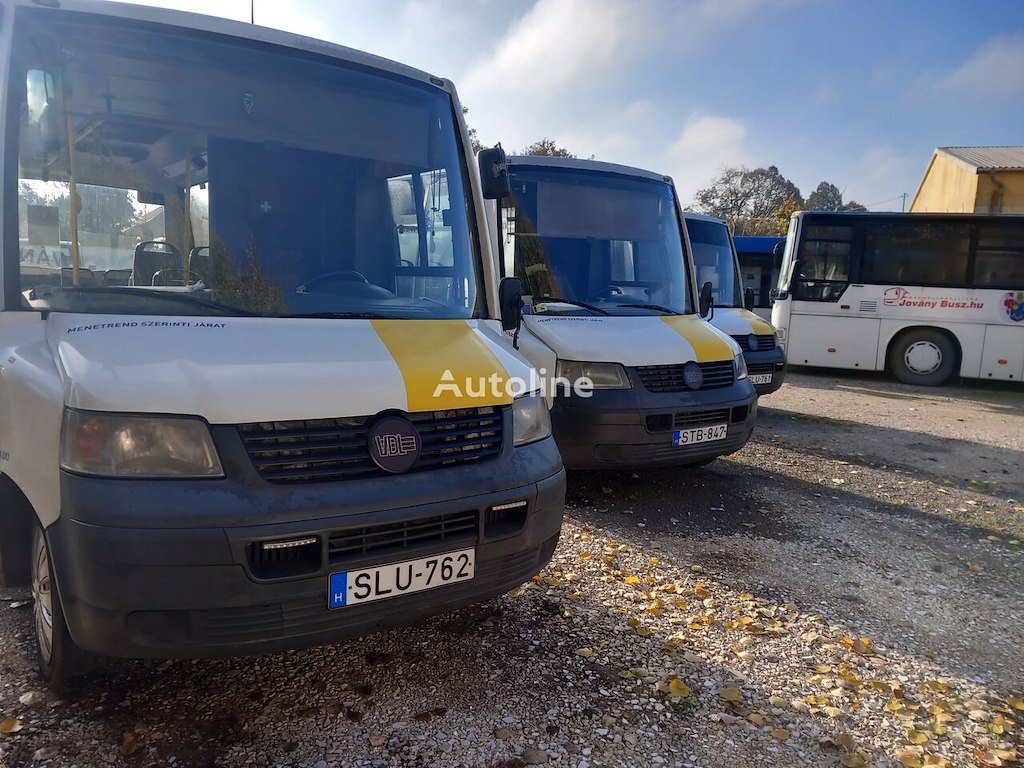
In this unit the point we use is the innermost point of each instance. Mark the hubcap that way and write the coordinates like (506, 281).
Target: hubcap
(43, 597)
(922, 357)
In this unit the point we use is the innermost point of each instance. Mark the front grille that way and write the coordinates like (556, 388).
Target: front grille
(669, 378)
(765, 342)
(355, 543)
(760, 368)
(328, 450)
(694, 419)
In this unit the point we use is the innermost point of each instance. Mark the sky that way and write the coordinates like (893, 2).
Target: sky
(854, 92)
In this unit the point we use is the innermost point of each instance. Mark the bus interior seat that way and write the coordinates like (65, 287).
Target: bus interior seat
(117, 277)
(86, 277)
(200, 264)
(153, 256)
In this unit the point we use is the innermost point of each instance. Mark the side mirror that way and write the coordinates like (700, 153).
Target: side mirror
(510, 303)
(778, 295)
(748, 299)
(494, 179)
(705, 299)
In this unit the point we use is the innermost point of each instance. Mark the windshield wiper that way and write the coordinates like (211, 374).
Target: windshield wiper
(172, 296)
(657, 307)
(559, 300)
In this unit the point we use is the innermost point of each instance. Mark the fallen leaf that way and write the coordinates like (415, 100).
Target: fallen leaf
(856, 760)
(986, 758)
(32, 697)
(780, 734)
(424, 717)
(1016, 703)
(678, 688)
(586, 653)
(756, 718)
(909, 759)
(378, 741)
(10, 725)
(731, 694)
(632, 579)
(915, 736)
(848, 741)
(129, 743)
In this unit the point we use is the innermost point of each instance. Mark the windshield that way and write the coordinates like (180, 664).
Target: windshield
(592, 242)
(715, 262)
(236, 175)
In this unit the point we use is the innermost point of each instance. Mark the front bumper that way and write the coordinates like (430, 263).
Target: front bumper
(770, 362)
(619, 429)
(162, 569)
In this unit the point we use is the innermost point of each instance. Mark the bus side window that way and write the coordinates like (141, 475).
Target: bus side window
(823, 264)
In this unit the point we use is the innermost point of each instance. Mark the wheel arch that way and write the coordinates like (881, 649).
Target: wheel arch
(898, 335)
(17, 521)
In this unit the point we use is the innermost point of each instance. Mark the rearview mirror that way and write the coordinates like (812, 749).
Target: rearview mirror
(510, 302)
(748, 299)
(494, 173)
(705, 299)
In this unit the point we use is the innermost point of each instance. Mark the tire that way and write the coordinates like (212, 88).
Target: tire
(60, 660)
(924, 356)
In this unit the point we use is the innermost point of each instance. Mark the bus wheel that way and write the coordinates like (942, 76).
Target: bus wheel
(924, 356)
(60, 660)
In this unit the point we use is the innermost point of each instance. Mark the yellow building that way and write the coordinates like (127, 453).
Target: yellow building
(972, 180)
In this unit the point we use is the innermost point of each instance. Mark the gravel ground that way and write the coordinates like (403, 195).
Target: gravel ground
(847, 590)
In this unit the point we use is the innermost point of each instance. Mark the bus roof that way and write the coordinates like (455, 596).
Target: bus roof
(756, 243)
(547, 161)
(897, 215)
(216, 25)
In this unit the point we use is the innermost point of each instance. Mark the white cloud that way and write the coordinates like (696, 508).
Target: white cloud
(555, 68)
(996, 68)
(705, 144)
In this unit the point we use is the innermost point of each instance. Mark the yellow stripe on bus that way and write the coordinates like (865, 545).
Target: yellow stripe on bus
(445, 364)
(758, 325)
(707, 345)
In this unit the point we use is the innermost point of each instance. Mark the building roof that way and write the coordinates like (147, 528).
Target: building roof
(986, 159)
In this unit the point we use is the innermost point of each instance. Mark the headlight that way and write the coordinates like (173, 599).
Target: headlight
(601, 375)
(114, 445)
(741, 367)
(530, 419)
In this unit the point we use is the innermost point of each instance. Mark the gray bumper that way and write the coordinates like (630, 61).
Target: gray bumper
(164, 569)
(771, 362)
(635, 428)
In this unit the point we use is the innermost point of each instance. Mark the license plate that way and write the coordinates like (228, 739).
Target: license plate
(700, 434)
(402, 578)
(761, 378)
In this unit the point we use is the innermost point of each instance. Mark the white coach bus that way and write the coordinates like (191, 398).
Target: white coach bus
(924, 296)
(223, 428)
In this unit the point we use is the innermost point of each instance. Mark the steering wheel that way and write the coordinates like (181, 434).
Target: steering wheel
(332, 277)
(607, 291)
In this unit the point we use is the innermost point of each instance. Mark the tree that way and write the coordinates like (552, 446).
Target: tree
(547, 148)
(754, 202)
(853, 205)
(473, 138)
(826, 197)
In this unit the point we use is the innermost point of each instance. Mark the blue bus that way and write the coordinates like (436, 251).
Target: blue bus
(760, 259)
